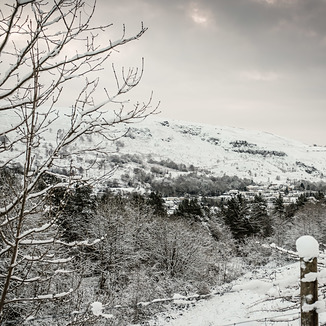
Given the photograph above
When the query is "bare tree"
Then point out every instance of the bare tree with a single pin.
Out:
(48, 48)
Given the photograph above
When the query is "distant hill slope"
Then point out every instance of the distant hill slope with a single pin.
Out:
(260, 156)
(159, 147)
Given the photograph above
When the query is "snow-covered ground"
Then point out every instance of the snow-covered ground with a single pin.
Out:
(266, 296)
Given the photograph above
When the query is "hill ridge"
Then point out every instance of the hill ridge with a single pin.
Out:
(260, 156)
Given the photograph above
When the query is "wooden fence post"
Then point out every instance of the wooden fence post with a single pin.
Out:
(308, 250)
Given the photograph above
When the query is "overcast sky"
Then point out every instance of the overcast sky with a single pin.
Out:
(253, 64)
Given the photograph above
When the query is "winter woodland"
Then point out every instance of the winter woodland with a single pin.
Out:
(78, 249)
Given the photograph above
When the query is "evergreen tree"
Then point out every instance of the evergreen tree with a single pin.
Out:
(137, 199)
(77, 207)
(189, 208)
(236, 215)
(156, 201)
(302, 200)
(281, 219)
(319, 195)
(290, 210)
(259, 217)
(279, 207)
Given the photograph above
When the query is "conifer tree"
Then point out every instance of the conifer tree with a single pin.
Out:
(259, 217)
(236, 216)
(189, 208)
(156, 201)
(280, 220)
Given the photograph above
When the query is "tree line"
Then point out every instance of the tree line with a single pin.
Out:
(136, 252)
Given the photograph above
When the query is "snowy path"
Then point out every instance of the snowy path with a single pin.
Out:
(255, 299)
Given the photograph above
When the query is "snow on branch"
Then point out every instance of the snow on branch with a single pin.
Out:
(86, 243)
(24, 280)
(36, 67)
(35, 230)
(24, 2)
(79, 57)
(6, 209)
(37, 242)
(291, 253)
(6, 249)
(49, 296)
(40, 258)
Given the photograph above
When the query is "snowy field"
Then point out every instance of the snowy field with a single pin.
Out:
(267, 296)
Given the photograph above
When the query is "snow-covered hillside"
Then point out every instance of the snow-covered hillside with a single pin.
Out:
(259, 156)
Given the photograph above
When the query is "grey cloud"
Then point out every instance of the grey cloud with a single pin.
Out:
(287, 33)
(249, 54)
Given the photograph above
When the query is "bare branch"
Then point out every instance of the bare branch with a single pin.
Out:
(45, 46)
